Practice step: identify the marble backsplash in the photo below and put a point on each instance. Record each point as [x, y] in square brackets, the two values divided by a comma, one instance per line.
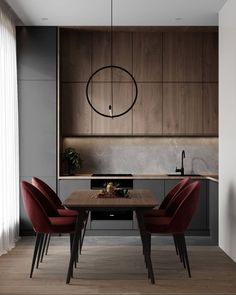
[145, 155]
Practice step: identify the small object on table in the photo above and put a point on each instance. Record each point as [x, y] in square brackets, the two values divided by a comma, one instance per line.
[116, 193]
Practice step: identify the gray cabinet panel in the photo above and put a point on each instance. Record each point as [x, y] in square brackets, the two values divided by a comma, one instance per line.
[36, 53]
[37, 115]
[213, 210]
[112, 224]
[155, 185]
[200, 221]
[66, 187]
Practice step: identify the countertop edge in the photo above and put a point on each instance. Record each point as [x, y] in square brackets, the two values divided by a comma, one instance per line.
[137, 176]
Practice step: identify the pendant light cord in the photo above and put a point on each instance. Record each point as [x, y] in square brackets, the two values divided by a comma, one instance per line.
[111, 39]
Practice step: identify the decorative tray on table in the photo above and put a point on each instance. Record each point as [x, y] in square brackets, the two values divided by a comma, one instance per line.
[116, 193]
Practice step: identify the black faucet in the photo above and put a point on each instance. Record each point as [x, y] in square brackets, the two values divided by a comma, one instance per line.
[181, 170]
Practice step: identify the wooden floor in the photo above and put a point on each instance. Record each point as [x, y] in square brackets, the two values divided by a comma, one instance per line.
[110, 269]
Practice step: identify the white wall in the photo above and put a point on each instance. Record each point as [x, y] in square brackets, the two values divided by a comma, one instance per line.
[227, 139]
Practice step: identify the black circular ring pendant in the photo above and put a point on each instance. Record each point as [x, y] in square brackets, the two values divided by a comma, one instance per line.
[135, 97]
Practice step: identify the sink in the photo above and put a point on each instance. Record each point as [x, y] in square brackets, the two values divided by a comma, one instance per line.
[183, 175]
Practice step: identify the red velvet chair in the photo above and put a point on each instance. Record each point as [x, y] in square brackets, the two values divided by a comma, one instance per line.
[167, 200]
[57, 204]
[177, 219]
[43, 218]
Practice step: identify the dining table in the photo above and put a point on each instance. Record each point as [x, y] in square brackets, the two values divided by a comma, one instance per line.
[83, 201]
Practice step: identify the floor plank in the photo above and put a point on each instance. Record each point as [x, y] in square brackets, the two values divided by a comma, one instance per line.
[110, 269]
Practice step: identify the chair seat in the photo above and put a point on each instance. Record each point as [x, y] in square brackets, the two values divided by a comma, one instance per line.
[67, 213]
[62, 224]
[155, 213]
[158, 224]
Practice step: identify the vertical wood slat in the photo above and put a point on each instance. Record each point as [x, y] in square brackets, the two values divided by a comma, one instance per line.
[182, 57]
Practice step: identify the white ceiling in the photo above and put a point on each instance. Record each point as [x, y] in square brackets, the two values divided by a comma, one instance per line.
[125, 12]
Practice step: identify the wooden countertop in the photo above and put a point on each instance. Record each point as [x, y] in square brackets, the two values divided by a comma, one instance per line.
[139, 176]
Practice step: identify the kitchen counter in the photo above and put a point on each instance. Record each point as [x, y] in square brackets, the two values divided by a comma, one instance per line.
[140, 176]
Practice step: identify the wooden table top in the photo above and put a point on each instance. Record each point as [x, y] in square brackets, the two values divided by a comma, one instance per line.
[139, 198]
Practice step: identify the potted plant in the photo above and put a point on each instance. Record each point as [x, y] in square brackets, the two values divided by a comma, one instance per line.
[73, 160]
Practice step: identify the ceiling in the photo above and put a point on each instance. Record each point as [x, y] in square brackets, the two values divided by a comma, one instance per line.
[125, 12]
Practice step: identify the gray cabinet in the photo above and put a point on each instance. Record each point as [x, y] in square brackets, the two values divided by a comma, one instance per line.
[36, 70]
[66, 187]
[200, 222]
[213, 210]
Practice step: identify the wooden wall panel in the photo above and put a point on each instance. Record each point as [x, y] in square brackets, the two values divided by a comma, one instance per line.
[210, 57]
[182, 56]
[101, 55]
[147, 112]
[75, 112]
[75, 55]
[122, 99]
[182, 109]
[147, 56]
[122, 55]
[210, 109]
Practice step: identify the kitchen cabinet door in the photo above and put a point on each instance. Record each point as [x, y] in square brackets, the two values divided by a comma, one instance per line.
[182, 109]
[182, 56]
[122, 99]
[210, 109]
[147, 56]
[101, 55]
[75, 55]
[147, 112]
[75, 112]
[210, 56]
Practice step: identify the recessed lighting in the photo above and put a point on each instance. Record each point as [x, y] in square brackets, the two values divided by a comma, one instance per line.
[44, 18]
[178, 18]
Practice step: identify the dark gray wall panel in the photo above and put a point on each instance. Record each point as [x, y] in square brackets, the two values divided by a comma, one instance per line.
[36, 53]
[37, 115]
[36, 56]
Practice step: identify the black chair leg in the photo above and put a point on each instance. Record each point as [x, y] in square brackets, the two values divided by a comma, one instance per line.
[176, 247]
[185, 254]
[44, 246]
[82, 238]
[48, 242]
[37, 241]
[40, 249]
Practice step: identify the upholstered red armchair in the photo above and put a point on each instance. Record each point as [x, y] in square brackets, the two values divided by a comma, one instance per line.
[43, 218]
[177, 219]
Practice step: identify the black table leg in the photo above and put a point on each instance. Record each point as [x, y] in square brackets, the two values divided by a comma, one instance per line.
[74, 252]
[144, 238]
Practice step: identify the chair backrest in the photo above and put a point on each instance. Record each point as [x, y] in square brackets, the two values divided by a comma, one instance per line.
[34, 208]
[174, 191]
[47, 192]
[186, 209]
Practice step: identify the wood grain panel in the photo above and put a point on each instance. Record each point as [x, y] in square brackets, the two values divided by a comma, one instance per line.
[147, 112]
[101, 55]
[139, 198]
[122, 99]
[182, 109]
[210, 109]
[122, 55]
[147, 56]
[75, 112]
[182, 56]
[75, 55]
[210, 57]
